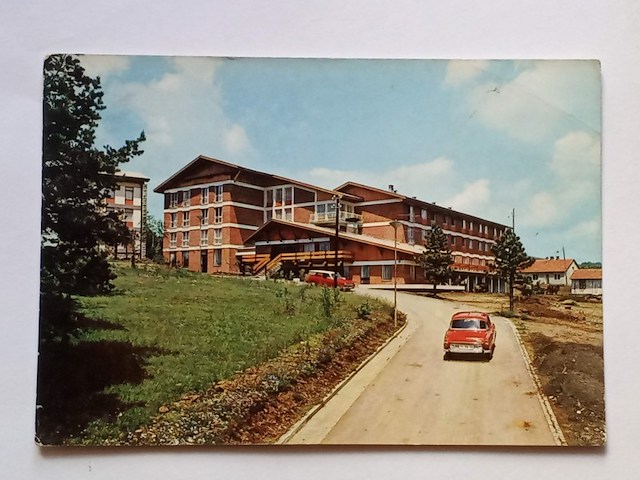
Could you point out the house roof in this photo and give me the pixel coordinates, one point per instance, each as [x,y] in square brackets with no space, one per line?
[549,266]
[587,274]
[356,237]
[171,181]
[134,175]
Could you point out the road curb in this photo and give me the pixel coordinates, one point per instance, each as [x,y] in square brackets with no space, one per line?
[311,413]
[552,422]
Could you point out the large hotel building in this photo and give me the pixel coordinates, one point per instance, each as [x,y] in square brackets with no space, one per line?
[225,218]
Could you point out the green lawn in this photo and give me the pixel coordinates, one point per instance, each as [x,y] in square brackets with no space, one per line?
[187,331]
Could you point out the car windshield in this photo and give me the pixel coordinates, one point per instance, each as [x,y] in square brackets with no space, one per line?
[469,324]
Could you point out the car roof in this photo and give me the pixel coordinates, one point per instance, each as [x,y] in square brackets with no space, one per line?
[480,315]
[319,271]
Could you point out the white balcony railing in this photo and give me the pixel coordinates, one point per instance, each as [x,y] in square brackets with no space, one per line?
[330,217]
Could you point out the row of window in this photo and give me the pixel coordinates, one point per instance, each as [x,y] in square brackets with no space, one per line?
[128,193]
[447,220]
[203,215]
[217,258]
[204,238]
[183,199]
[455,241]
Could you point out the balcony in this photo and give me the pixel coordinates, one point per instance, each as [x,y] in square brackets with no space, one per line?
[330,218]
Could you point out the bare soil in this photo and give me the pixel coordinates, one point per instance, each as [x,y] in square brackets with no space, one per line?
[563,336]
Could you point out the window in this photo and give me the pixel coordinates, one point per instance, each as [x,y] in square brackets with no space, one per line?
[365,272]
[557,276]
[288,214]
[288,195]
[204,239]
[471,226]
[386,272]
[173,200]
[185,259]
[128,193]
[174,220]
[412,217]
[464,223]
[423,214]
[582,284]
[410,237]
[204,216]
[218,189]
[217,215]
[185,219]
[424,235]
[217,236]
[447,220]
[217,258]
[204,195]
[173,240]
[185,239]
[186,198]
[535,276]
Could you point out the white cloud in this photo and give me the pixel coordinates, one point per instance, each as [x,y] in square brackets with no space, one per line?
[104,65]
[463,71]
[236,139]
[473,197]
[547,98]
[423,180]
[574,181]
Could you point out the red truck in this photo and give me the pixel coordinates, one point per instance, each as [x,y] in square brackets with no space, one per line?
[470,333]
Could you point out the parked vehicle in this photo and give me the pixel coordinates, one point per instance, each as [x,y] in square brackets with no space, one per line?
[326,278]
[470,333]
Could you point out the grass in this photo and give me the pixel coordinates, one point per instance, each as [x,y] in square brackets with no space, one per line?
[195,330]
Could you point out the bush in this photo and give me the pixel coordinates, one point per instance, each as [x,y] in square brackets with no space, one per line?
[363,310]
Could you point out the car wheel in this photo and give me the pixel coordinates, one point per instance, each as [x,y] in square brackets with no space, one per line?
[446,356]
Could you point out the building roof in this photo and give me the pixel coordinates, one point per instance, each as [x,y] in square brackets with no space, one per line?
[355,237]
[392,194]
[553,265]
[587,274]
[167,184]
[133,175]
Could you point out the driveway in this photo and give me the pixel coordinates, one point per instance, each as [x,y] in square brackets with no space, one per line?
[409,395]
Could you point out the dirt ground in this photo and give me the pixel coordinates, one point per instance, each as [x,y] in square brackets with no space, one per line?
[563,336]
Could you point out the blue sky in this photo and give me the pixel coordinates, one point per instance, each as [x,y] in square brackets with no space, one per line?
[482,137]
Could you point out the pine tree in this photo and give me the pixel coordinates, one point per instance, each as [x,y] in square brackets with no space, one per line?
[436,259]
[76,178]
[510,259]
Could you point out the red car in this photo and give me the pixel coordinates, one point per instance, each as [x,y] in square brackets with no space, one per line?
[470,332]
[326,278]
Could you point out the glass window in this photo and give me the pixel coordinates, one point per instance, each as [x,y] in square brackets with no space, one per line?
[217,236]
[423,214]
[204,195]
[173,240]
[186,198]
[217,258]
[128,193]
[174,221]
[288,195]
[185,219]
[218,193]
[204,216]
[204,239]
[185,239]
[386,272]
[288,214]
[365,271]
[185,259]
[217,215]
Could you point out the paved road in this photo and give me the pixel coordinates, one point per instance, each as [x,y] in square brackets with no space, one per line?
[409,395]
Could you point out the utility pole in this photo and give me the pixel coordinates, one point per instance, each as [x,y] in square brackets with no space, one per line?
[513,220]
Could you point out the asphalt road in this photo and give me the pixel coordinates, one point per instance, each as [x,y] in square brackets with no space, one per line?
[409,395]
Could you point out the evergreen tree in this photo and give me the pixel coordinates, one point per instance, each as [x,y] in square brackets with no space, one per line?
[510,259]
[436,259]
[154,234]
[76,178]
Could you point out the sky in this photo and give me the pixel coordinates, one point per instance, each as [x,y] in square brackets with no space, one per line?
[482,137]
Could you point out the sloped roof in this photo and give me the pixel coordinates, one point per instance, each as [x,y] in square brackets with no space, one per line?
[356,237]
[549,266]
[171,181]
[587,274]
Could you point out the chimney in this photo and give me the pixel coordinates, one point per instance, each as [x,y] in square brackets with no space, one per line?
[391,188]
